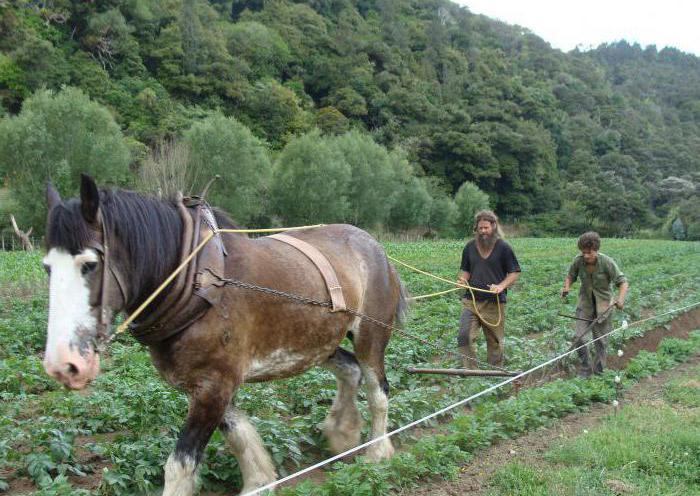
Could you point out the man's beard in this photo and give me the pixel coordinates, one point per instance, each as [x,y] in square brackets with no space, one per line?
[485,241]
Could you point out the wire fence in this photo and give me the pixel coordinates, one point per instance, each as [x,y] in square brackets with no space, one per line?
[10,242]
[459,403]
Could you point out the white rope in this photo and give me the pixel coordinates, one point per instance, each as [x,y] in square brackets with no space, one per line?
[450,407]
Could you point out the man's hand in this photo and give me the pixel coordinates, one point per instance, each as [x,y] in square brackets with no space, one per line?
[497,288]
[461,280]
[564,293]
[620,304]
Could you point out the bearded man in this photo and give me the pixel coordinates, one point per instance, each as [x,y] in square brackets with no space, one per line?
[488,262]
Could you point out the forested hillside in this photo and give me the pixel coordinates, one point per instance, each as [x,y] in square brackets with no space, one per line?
[394,113]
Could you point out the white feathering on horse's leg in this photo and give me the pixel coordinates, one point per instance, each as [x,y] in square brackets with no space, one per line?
[180,476]
[379,408]
[343,425]
[253,459]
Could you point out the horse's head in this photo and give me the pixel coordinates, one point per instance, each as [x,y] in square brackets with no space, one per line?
[84,288]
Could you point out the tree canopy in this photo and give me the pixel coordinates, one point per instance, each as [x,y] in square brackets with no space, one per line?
[461,97]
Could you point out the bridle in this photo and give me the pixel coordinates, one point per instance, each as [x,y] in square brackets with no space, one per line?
[105,314]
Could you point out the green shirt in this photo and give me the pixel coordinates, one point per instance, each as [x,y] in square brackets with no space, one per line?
[596,284]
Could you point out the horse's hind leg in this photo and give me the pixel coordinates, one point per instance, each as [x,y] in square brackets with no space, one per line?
[370,343]
[254,461]
[343,424]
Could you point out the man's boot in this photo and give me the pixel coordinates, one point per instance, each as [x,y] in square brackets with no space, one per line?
[468,361]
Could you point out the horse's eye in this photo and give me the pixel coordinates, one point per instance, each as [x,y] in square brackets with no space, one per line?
[47,268]
[87,267]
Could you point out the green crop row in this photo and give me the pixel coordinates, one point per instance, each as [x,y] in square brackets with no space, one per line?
[122,432]
[441,456]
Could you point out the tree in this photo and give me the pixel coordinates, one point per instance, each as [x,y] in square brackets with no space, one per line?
[678,229]
[411,202]
[261,47]
[57,136]
[469,200]
[412,205]
[331,121]
[443,209]
[372,180]
[222,145]
[284,115]
[310,182]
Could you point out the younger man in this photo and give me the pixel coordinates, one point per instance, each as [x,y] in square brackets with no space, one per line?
[598,272]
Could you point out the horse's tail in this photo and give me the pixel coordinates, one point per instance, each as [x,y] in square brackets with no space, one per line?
[403,303]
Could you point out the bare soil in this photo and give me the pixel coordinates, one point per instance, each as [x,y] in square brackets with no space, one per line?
[531,447]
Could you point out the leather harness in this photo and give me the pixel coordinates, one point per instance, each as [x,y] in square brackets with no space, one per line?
[180,308]
[324,266]
[195,290]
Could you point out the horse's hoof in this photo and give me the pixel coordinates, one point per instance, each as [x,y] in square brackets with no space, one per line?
[383,450]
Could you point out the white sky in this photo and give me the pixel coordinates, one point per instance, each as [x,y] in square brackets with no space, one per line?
[588,23]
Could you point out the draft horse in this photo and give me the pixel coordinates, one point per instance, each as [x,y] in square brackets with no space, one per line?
[109,249]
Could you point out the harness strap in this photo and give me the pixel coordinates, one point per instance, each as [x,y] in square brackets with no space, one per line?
[324,266]
[192,294]
[182,282]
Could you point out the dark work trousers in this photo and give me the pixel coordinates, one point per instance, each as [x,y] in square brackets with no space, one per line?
[597,330]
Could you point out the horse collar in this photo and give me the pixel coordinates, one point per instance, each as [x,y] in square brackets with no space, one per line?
[192,293]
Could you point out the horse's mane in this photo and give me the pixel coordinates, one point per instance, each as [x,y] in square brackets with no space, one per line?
[149,231]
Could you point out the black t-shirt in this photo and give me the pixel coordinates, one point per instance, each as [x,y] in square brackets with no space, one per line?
[490,270]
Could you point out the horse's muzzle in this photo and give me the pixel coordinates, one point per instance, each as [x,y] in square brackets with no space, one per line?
[72,369]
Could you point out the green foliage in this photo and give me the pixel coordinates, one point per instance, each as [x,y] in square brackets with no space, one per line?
[372,179]
[221,145]
[689,213]
[57,136]
[331,121]
[468,98]
[469,200]
[411,202]
[284,115]
[309,180]
[261,47]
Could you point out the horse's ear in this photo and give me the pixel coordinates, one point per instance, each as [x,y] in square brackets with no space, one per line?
[52,196]
[89,199]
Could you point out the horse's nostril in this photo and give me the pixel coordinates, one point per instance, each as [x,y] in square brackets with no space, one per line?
[72,369]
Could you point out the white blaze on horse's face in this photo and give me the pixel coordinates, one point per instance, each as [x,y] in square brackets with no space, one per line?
[70,354]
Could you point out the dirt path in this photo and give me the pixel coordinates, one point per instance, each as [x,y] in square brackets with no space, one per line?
[531,447]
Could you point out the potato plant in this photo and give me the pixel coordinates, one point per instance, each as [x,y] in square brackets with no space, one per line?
[115,440]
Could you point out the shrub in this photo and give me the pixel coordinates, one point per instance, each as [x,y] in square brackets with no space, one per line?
[469,200]
[222,145]
[57,136]
[310,182]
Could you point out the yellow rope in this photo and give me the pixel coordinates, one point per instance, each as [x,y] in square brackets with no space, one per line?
[274,229]
[459,286]
[122,327]
[423,297]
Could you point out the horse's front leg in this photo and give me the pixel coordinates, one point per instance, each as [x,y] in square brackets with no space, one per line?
[206,410]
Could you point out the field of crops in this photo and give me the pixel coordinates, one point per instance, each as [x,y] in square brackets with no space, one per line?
[115,438]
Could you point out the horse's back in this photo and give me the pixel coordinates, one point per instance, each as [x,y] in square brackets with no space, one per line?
[357,258]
